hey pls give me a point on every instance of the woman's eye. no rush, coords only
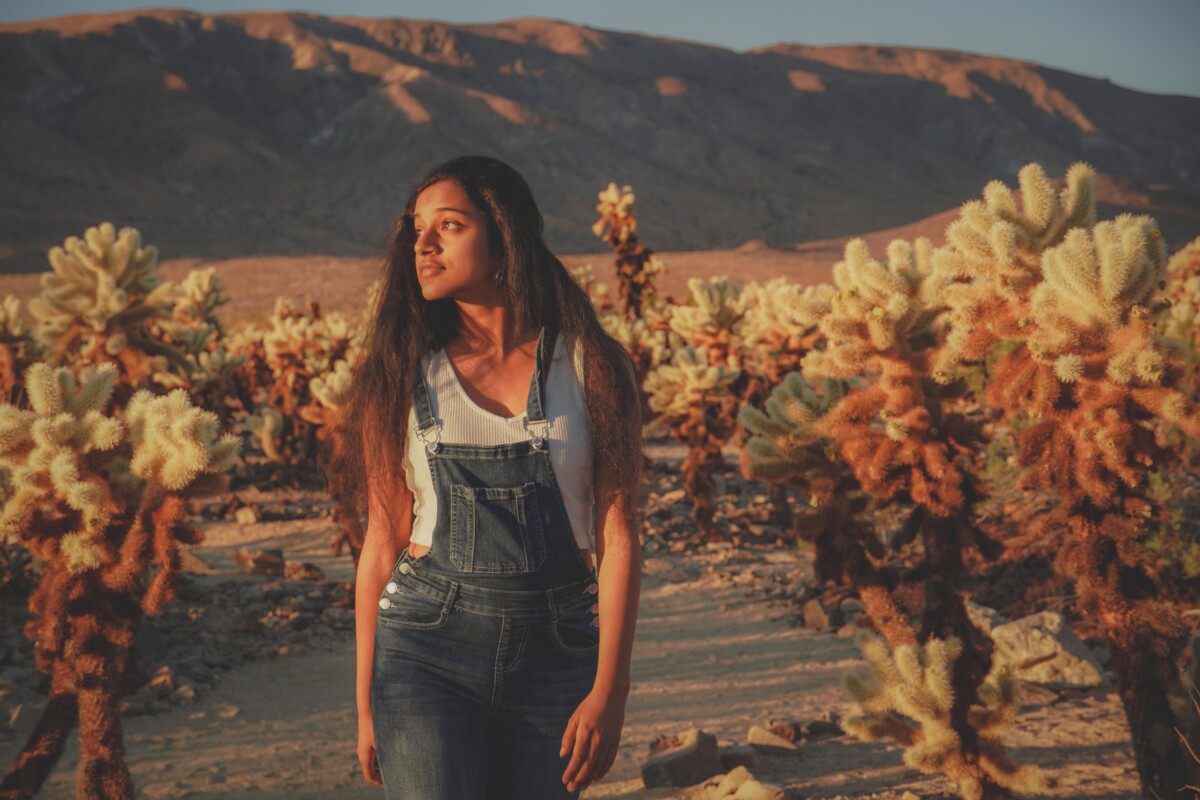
(451, 222)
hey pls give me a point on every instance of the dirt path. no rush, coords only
(712, 652)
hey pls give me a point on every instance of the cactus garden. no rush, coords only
(926, 527)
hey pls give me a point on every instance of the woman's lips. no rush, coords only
(428, 270)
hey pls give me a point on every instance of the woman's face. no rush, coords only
(453, 256)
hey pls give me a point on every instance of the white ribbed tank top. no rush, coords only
(464, 422)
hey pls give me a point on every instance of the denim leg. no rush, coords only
(526, 728)
(428, 718)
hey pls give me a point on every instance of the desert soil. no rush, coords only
(720, 646)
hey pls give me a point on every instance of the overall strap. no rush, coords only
(535, 404)
(428, 428)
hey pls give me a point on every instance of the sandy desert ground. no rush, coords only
(719, 646)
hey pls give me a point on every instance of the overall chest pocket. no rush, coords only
(496, 529)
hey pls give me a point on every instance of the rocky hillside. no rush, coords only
(288, 133)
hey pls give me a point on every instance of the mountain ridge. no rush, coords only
(248, 133)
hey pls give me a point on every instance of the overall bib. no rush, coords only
(485, 645)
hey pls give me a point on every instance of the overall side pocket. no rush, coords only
(407, 608)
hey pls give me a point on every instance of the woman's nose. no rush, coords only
(426, 242)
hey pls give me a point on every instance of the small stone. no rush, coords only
(787, 729)
(672, 497)
(852, 607)
(190, 562)
(131, 709)
(695, 759)
(227, 711)
(755, 790)
(259, 562)
(766, 741)
(185, 695)
(302, 571)
(731, 781)
(815, 616)
(683, 574)
(827, 726)
(848, 630)
(245, 516)
(302, 620)
(161, 683)
(738, 755)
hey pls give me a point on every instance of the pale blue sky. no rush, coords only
(1150, 45)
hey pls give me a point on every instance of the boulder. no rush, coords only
(694, 759)
(985, 618)
(1042, 648)
(738, 755)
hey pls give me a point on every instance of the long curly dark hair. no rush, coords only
(369, 433)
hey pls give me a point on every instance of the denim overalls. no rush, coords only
(485, 646)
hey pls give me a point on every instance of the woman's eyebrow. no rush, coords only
(462, 211)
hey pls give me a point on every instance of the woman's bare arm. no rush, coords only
(594, 732)
(381, 548)
(619, 564)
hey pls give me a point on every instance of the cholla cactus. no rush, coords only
(707, 321)
(636, 265)
(772, 335)
(212, 372)
(597, 290)
(991, 260)
(691, 400)
(299, 347)
(790, 446)
(18, 348)
(772, 338)
(1182, 322)
(910, 699)
(1090, 370)
(894, 432)
(101, 501)
(647, 347)
(97, 301)
(904, 444)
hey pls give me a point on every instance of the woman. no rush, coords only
(492, 434)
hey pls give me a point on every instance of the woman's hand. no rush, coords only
(366, 751)
(592, 736)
